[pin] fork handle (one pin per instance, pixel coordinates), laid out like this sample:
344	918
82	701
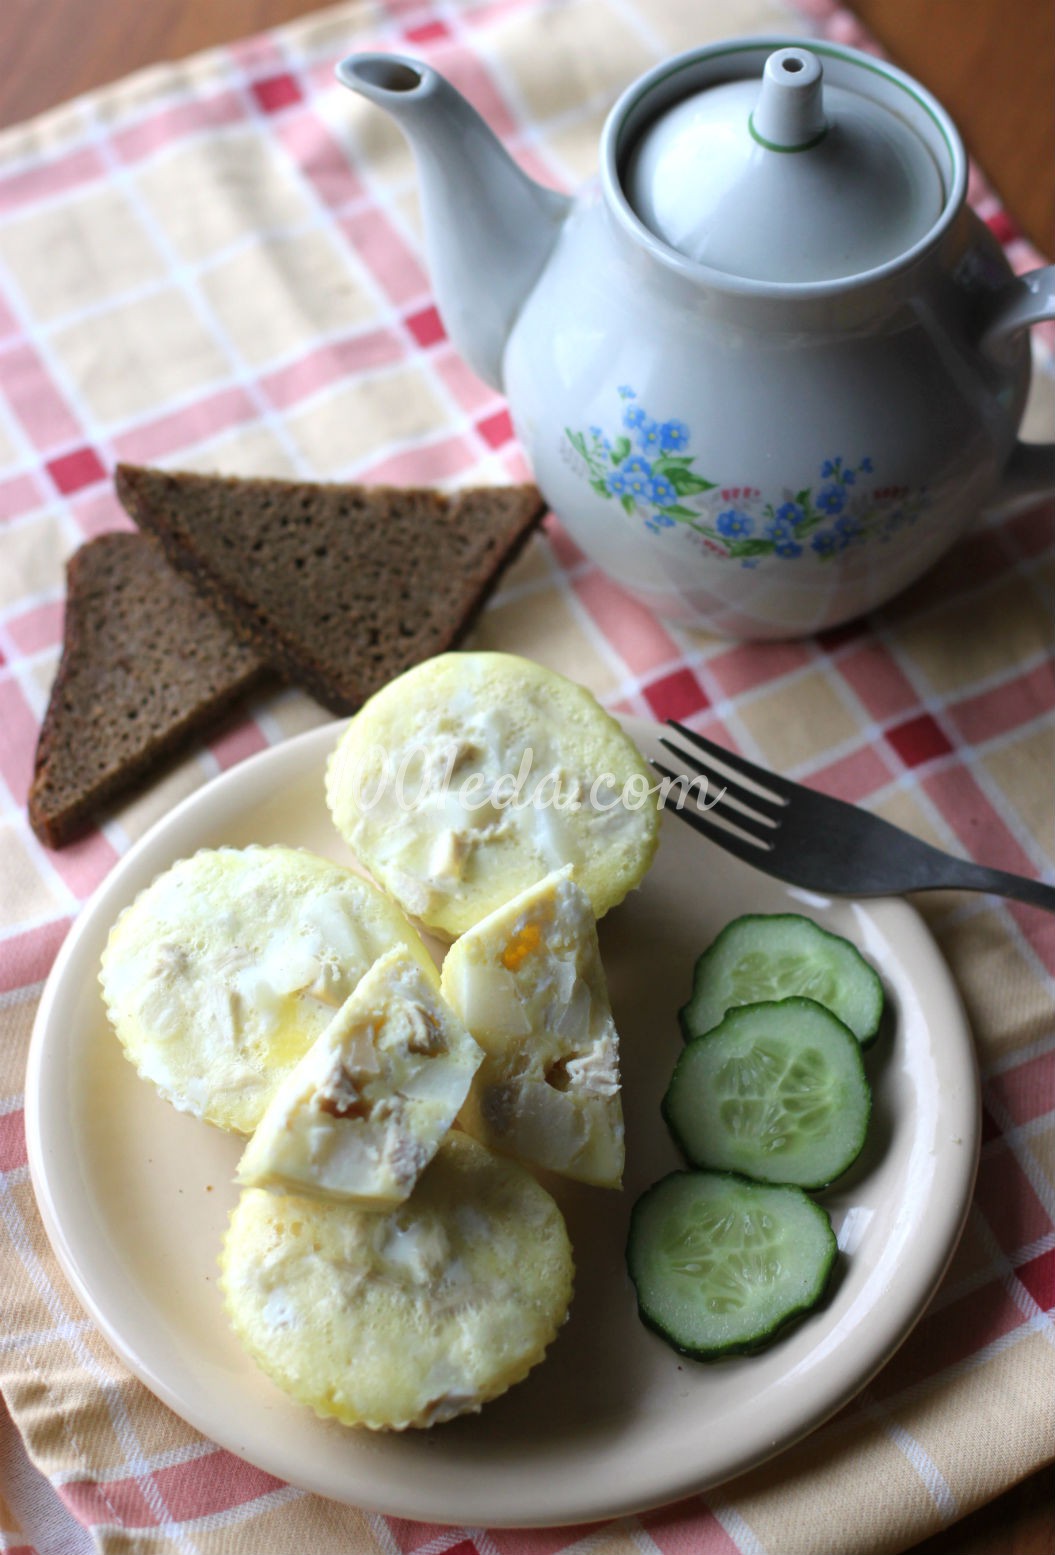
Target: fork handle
963	875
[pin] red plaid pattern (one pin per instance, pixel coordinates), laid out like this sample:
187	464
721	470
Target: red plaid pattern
956	745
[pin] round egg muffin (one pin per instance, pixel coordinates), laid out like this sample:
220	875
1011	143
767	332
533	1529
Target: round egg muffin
223	972
474	775
405	1318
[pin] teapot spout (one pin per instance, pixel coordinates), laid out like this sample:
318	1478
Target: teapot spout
489	228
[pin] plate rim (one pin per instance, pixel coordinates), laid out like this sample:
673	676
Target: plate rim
295	752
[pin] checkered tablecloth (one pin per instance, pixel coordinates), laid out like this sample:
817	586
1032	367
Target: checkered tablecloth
219	265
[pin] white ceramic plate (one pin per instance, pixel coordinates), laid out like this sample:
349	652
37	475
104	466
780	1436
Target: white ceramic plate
135	1198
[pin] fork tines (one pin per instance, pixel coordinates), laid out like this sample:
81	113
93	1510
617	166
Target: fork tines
738	833
778	790
737	811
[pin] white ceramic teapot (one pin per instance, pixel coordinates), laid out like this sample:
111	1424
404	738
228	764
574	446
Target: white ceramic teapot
768	365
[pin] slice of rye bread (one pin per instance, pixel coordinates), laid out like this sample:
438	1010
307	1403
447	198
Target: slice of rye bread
343	587
146	664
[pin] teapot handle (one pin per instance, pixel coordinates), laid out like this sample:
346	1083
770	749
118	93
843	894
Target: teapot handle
1029	474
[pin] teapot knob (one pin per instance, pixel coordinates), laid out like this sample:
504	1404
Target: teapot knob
789	113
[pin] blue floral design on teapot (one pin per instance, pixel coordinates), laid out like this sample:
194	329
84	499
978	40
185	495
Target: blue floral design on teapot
647	468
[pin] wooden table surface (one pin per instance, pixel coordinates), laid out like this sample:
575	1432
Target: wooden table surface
991	62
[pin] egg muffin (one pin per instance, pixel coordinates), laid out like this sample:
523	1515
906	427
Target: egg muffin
364	1111
223	972
409	1317
529	984
474	775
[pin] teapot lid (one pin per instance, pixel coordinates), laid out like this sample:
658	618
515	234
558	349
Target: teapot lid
787	180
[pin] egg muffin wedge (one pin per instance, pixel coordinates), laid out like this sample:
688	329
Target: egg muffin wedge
364	1111
529	984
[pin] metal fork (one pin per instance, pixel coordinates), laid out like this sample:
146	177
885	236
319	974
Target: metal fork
816	842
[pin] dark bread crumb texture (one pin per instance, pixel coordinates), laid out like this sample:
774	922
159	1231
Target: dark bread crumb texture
146	664
342	587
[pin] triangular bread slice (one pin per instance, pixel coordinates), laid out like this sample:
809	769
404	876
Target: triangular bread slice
146	664
343	587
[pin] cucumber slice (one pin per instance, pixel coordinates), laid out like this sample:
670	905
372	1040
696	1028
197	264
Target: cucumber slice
773	956
776	1091
721	1265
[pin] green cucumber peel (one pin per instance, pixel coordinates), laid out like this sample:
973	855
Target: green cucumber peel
762	957
722	1266
776	1091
